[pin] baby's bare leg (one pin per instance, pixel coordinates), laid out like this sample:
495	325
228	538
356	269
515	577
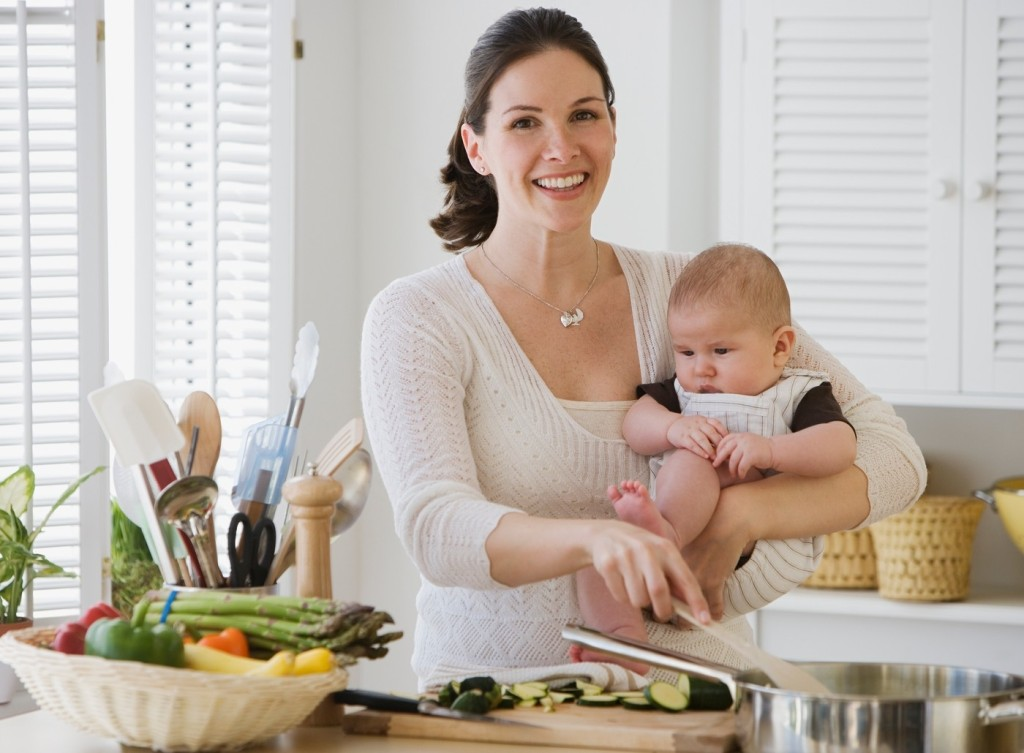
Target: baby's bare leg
688	488
602	611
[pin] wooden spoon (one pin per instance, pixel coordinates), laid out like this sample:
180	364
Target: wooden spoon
200	409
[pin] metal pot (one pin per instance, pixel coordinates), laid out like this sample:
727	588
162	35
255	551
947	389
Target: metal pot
1006	498
896	708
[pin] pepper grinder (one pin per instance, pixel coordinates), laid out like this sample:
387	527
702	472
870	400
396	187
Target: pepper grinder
311	499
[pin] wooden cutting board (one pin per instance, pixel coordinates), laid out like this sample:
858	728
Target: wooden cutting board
569	726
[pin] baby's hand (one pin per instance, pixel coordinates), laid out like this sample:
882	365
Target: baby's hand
744	452
697	434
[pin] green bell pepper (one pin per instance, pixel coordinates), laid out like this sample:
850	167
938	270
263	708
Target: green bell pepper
133	640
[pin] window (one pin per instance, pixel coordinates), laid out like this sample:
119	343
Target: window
198	173
51	312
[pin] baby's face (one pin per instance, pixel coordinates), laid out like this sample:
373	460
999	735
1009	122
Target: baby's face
722	350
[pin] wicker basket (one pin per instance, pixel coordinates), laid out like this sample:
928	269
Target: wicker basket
161	707
924	553
848	561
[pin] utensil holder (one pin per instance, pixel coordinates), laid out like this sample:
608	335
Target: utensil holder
924	553
848	562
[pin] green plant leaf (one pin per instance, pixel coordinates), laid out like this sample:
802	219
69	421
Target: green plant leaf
17	489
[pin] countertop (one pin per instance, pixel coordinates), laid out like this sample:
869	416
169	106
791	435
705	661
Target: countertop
41	732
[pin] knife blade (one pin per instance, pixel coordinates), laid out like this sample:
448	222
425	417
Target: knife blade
387	702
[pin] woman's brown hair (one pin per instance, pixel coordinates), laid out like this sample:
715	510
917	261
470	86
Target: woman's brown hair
471	204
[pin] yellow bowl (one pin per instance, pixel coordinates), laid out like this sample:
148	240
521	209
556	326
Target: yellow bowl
1006	497
162	708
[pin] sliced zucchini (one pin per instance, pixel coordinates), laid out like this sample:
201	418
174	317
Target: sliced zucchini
705	695
628	693
473	701
589	688
666	696
637	703
559	697
448	693
486	684
527	690
598	699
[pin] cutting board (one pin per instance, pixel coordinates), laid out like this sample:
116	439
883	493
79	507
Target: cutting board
569	726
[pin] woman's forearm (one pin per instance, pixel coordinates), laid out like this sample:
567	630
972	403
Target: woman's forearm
788	506
524	549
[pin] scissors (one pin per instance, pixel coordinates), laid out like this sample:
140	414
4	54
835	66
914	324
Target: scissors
250	556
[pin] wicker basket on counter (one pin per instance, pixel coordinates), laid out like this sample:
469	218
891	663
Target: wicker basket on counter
162	708
848	561
924	553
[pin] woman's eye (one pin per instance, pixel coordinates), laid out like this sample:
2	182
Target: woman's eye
584	115
522	123
687	353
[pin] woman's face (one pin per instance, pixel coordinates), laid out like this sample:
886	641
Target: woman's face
549	140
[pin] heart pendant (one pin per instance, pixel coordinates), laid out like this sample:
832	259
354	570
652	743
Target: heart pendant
572	319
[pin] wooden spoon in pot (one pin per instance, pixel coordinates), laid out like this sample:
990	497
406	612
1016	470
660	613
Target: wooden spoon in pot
200	409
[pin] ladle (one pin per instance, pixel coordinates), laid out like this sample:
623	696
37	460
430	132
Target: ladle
188	505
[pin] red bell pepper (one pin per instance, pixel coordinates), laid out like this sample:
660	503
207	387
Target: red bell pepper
70	638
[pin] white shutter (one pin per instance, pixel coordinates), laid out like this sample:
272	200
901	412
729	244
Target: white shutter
51	344
993	202
847	138
220	232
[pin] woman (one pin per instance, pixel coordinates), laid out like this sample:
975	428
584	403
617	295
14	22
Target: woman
494	387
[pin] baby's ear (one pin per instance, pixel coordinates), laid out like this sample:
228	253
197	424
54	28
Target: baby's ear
785	341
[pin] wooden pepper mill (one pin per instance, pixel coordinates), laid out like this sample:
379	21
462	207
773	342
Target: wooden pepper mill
311	500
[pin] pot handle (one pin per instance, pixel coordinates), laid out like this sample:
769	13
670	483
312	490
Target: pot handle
628	648
1008	711
984	496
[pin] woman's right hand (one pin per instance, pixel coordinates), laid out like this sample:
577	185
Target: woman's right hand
644	570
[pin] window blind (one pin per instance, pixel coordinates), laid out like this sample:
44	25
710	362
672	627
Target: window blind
51	352
221	187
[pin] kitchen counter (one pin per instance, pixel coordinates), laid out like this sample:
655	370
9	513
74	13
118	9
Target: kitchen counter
41	732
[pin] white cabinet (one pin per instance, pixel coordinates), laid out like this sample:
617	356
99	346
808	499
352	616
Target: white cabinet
876	150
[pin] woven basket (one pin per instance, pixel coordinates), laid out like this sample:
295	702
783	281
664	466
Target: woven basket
848	561
924	553
161	707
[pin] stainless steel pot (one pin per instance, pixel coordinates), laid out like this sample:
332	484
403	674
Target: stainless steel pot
895	708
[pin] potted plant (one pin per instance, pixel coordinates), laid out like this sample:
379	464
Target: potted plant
19	563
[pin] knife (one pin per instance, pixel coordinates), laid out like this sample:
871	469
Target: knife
387	702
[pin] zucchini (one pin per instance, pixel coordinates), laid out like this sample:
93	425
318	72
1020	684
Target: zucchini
666	696
637	703
705	695
597	699
473	701
526	691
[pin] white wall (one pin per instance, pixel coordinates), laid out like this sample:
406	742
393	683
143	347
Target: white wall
379	92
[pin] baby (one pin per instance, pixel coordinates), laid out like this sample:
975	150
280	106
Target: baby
732	413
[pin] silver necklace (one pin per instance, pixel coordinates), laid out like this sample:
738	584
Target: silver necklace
570	317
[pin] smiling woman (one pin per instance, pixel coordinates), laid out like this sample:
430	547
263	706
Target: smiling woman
497	429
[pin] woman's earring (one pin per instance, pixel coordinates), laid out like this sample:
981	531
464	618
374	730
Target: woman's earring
482	169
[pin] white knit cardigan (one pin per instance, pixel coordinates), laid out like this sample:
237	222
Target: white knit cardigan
464	431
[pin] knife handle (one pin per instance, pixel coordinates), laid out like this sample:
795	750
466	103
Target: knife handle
377	701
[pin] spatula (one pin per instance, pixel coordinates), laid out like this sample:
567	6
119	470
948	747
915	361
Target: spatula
200	409
138	424
784	675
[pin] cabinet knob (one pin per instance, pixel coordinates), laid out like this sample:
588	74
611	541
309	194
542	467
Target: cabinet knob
978	190
943	189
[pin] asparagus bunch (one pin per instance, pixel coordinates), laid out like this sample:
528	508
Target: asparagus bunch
276	623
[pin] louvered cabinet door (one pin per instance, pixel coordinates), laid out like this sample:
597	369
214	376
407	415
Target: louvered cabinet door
993	199
850	165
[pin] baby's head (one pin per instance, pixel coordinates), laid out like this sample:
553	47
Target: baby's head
729	319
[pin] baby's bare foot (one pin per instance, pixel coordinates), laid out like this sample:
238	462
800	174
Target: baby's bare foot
580	654
633	504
